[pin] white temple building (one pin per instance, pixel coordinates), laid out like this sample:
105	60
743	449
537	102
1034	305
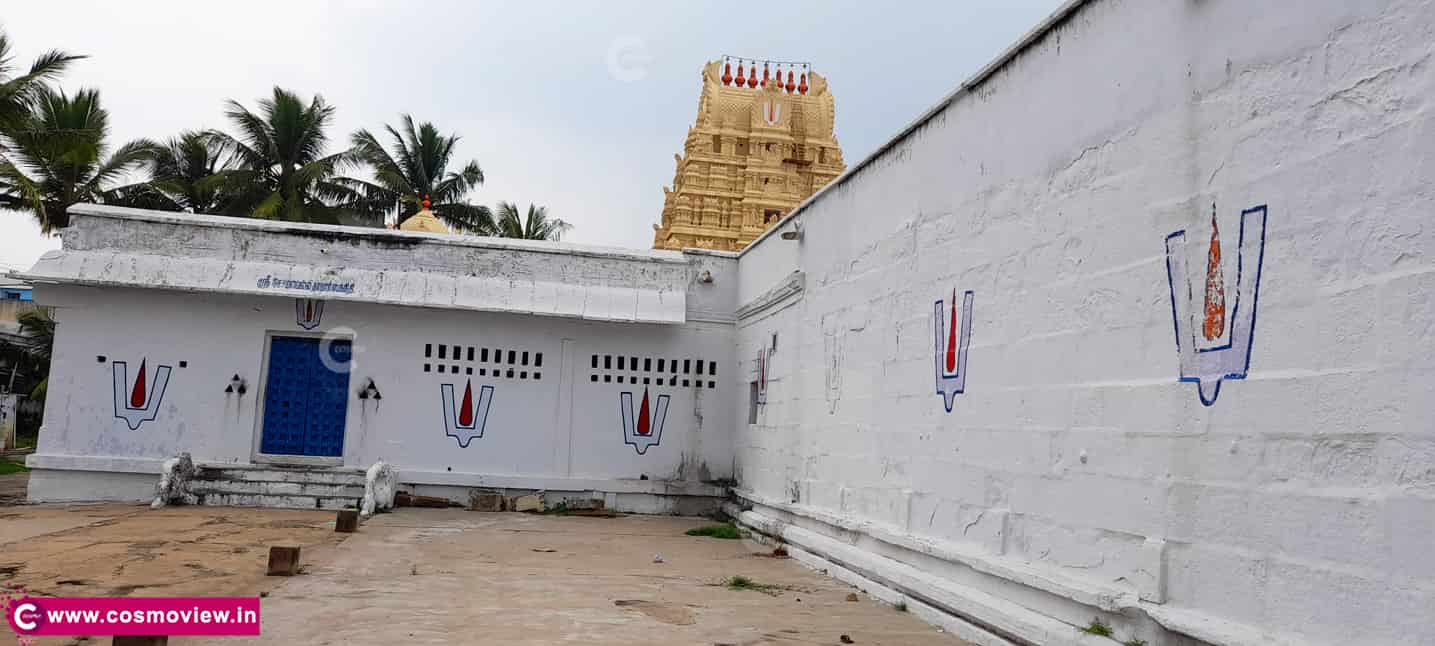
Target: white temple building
1134	325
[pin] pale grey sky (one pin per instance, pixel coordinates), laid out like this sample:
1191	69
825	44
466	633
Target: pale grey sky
575	105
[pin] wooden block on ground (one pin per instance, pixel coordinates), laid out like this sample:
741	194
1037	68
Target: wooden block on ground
347	522
137	640
283	561
402	499
485	500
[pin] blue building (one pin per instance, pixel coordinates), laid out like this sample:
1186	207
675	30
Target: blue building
11	290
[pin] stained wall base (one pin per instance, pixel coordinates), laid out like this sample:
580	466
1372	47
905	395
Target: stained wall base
972	600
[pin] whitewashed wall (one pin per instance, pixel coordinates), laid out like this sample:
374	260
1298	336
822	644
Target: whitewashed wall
560	429
202	296
1076	476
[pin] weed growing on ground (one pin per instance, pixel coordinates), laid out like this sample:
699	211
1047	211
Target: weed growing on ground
743	583
901	605
716	531
1097	627
8	467
739	582
1134	642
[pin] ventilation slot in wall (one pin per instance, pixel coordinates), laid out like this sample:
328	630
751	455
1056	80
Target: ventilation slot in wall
482	361
652	371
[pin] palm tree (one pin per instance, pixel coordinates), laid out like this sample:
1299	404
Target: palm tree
536	226
27	355
281	171
38	329
56	156
417	167
187	172
17	93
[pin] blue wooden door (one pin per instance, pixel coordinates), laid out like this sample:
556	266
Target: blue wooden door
328	399
305	397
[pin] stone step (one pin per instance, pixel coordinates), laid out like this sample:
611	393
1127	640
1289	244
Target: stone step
223	499
203	484
268	485
264	473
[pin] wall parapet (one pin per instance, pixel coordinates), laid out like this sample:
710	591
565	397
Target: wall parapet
117	247
780	293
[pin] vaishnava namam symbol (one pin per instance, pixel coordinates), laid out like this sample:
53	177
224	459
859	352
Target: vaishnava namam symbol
466	420
951	350
1209	366
138	403
645	429
771	112
762	358
308	312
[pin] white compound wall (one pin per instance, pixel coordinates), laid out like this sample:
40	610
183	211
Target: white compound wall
1285	493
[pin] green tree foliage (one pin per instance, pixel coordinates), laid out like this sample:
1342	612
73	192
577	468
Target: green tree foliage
187	173
282	170
56	155
536	225
416	165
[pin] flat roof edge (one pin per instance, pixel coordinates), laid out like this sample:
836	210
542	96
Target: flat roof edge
280	227
40	279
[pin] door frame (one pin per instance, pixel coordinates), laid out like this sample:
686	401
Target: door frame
255	455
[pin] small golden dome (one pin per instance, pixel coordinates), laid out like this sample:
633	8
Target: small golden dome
424	221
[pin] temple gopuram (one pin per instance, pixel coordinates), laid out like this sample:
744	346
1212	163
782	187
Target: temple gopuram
762	143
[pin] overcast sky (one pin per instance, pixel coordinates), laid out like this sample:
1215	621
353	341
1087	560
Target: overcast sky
579	106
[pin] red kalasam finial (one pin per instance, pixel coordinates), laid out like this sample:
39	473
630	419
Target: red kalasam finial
764	74
727	73
790	85
425	202
752	76
802	87
741	79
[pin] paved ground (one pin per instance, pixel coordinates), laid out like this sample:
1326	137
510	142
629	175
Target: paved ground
421	576
12	488
131	550
429	576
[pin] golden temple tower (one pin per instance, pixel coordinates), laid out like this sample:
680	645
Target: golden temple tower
758	148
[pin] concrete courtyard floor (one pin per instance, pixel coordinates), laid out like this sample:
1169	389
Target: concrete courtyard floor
115	550
437	576
12	488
